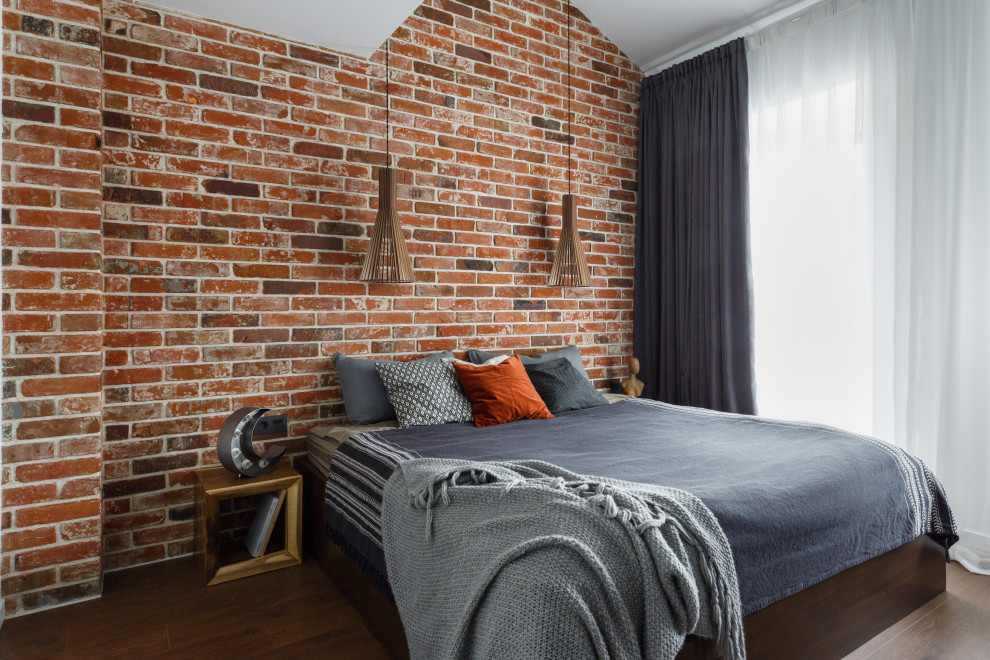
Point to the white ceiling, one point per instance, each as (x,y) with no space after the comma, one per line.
(358,27)
(653,33)
(656,33)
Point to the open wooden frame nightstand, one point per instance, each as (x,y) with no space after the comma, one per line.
(216,484)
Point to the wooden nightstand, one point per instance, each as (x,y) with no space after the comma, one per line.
(216,484)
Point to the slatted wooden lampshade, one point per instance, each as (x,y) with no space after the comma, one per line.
(387,259)
(570,268)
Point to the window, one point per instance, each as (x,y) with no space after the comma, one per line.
(812,260)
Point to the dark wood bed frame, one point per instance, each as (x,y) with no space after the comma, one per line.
(827,620)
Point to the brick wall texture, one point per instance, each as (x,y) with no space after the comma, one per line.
(186,206)
(52,303)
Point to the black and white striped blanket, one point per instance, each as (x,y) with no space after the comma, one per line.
(353,516)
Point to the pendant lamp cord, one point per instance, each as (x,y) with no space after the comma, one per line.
(569,138)
(388,104)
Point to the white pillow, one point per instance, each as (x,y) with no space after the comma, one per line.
(487,363)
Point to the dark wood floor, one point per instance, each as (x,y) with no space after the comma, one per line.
(162,610)
(954,625)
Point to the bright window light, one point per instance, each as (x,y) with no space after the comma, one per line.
(812,247)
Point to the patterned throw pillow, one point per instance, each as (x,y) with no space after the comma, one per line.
(365,397)
(424,393)
(562,387)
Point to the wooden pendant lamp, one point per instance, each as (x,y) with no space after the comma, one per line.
(570,268)
(387,259)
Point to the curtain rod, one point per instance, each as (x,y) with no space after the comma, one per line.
(772,18)
(831,7)
(790,18)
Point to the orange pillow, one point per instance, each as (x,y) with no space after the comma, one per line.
(501,393)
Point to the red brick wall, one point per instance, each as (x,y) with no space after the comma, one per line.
(52,300)
(239,190)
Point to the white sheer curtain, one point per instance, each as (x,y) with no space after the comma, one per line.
(810,229)
(870,175)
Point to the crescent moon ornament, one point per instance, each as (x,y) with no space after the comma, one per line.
(234,445)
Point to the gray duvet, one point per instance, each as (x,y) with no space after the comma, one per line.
(798,503)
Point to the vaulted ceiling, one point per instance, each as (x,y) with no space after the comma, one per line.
(358,27)
(655,32)
(650,32)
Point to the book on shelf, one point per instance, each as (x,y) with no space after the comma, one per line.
(269,504)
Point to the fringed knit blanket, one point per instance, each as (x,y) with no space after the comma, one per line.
(520,560)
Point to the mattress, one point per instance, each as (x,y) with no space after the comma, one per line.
(798,503)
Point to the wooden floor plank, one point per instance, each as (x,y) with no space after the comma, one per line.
(325,618)
(930,638)
(348,644)
(107,641)
(231,639)
(954,625)
(968,605)
(226,629)
(164,611)
(890,633)
(24,638)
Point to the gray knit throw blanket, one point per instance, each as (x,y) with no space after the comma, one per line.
(520,560)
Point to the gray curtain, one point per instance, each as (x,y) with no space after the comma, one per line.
(692,311)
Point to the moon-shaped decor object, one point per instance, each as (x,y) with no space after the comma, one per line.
(234,445)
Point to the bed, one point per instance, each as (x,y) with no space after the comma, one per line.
(824,525)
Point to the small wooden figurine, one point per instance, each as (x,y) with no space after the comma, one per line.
(633,386)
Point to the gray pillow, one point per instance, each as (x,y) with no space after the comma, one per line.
(561,386)
(365,397)
(572,353)
(425,393)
